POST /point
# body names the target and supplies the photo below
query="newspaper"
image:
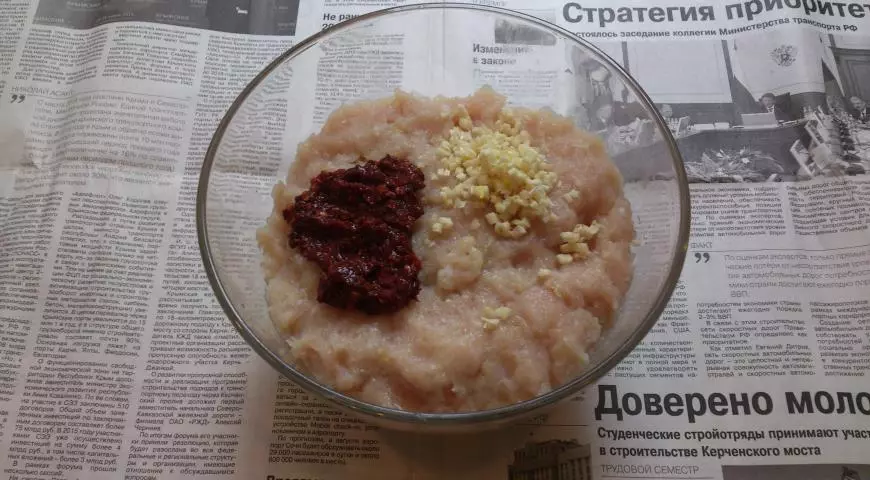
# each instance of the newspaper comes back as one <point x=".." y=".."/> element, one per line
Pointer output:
<point x="117" y="362"/>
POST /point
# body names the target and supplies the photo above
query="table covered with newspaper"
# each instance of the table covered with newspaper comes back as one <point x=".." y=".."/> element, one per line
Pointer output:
<point x="117" y="362"/>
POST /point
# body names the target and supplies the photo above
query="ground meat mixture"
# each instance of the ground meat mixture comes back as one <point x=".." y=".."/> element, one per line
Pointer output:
<point x="508" y="306"/>
<point x="355" y="224"/>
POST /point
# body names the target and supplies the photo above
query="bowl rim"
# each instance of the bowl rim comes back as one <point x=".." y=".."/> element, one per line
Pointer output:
<point x="505" y="413"/>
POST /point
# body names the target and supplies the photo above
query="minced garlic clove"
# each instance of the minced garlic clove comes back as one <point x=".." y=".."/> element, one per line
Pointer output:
<point x="492" y="317"/>
<point x="503" y="229"/>
<point x="569" y="237"/>
<point x="441" y="225"/>
<point x="575" y="242"/>
<point x="490" y="324"/>
<point x="581" y="252"/>
<point x="502" y="312"/>
<point x="564" y="259"/>
<point x="518" y="231"/>
<point x="571" y="196"/>
<point x="465" y="123"/>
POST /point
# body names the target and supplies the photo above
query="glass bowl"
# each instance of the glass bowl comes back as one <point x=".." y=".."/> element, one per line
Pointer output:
<point x="450" y="50"/>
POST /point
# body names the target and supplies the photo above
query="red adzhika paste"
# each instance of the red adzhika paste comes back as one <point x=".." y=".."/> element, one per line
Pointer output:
<point x="355" y="224"/>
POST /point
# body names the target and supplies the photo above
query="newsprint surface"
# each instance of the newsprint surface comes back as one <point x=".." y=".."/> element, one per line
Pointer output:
<point x="116" y="361"/>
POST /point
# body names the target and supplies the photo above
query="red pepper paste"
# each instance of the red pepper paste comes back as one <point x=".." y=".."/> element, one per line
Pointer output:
<point x="355" y="224"/>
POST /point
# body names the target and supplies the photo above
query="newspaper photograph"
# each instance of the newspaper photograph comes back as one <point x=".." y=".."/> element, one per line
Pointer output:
<point x="116" y="361"/>
<point x="258" y="17"/>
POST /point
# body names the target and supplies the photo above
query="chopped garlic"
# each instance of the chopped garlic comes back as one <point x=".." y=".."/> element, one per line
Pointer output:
<point x="564" y="259"/>
<point x="498" y="167"/>
<point x="581" y="251"/>
<point x="442" y="225"/>
<point x="465" y="123"/>
<point x="492" y="317"/>
<point x="572" y="195"/>
<point x="490" y="324"/>
<point x="575" y="242"/>
<point x="502" y="312"/>
<point x="569" y="237"/>
<point x="544" y="273"/>
<point x="588" y="231"/>
<point x="521" y="222"/>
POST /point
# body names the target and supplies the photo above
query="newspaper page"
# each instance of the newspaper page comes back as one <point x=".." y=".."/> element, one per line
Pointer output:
<point x="117" y="362"/>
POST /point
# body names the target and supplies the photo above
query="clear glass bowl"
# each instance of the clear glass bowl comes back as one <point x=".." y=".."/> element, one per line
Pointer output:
<point x="547" y="67"/>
